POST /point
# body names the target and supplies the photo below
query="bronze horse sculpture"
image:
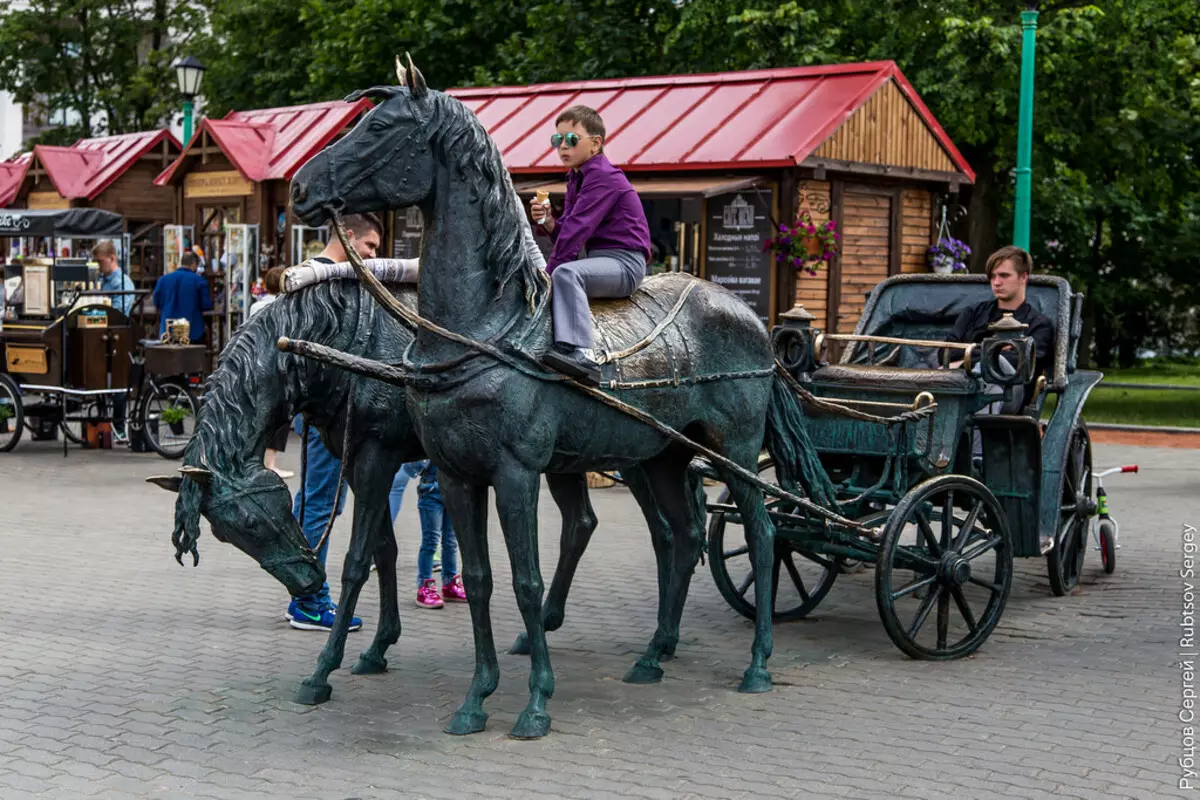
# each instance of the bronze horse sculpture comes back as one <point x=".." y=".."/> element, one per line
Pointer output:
<point x="255" y="389"/>
<point x="699" y="361"/>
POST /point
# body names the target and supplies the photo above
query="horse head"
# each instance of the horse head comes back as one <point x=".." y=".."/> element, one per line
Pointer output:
<point x="250" y="509"/>
<point x="385" y="161"/>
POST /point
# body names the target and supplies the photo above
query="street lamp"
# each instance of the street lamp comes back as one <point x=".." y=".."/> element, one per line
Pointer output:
<point x="1024" y="200"/>
<point x="189" y="72"/>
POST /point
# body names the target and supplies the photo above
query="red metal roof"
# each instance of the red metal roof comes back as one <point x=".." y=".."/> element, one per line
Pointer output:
<point x="762" y="118"/>
<point x="88" y="167"/>
<point x="11" y="174"/>
<point x="272" y="143"/>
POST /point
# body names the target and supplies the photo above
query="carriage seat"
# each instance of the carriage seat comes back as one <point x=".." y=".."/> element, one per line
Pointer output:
<point x="926" y="306"/>
<point x="899" y="379"/>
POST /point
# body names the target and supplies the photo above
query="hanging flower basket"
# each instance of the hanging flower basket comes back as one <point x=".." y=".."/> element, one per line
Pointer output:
<point x="805" y="245"/>
<point x="948" y="256"/>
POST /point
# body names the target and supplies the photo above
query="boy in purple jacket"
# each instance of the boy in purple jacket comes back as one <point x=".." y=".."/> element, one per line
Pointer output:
<point x="601" y="240"/>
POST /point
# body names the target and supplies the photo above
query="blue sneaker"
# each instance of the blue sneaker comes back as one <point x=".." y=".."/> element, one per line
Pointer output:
<point x="304" y="619"/>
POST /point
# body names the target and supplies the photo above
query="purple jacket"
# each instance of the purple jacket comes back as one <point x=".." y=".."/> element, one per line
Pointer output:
<point x="602" y="212"/>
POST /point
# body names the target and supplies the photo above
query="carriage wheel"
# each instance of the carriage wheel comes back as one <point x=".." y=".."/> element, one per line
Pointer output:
<point x="801" y="579"/>
<point x="12" y="414"/>
<point x="1065" y="560"/>
<point x="167" y="416"/>
<point x="944" y="568"/>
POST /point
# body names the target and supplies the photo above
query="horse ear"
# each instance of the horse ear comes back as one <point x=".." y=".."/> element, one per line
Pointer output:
<point x="401" y="73"/>
<point x="416" y="81"/>
<point x="169" y="482"/>
<point x="200" y="475"/>
<point x="382" y="92"/>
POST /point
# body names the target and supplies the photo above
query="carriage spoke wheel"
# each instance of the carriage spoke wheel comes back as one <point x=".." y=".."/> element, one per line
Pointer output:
<point x="944" y="568"/>
<point x="12" y="414"/>
<point x="1064" y="562"/>
<point x="801" y="579"/>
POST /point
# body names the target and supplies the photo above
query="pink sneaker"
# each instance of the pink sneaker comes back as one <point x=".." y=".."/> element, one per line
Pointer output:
<point x="427" y="595"/>
<point x="454" y="591"/>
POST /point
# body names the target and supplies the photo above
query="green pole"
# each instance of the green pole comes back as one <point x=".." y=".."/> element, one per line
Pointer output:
<point x="1025" y="132"/>
<point x="187" y="120"/>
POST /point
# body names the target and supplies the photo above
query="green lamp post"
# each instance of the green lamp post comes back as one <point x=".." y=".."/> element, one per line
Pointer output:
<point x="189" y="73"/>
<point x="1024" y="200"/>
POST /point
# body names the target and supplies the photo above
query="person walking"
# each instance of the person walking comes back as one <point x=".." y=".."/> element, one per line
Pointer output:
<point x="436" y="529"/>
<point x="316" y="612"/>
<point x="273" y="282"/>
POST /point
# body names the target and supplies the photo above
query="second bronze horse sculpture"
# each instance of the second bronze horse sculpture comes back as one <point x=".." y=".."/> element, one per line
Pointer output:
<point x="700" y="362"/>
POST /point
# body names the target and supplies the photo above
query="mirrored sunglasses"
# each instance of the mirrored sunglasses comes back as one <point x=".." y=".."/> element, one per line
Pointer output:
<point x="557" y="139"/>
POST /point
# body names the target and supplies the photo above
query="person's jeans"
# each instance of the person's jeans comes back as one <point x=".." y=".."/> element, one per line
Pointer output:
<point x="119" y="406"/>
<point x="435" y="526"/>
<point x="320" y="486"/>
<point x="396" y="495"/>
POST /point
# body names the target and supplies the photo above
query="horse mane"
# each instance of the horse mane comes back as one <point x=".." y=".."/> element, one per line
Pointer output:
<point x="315" y="313"/>
<point x="460" y="141"/>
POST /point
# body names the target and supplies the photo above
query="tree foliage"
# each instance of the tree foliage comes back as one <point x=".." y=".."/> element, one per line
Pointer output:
<point x="1117" y="108"/>
<point x="103" y="66"/>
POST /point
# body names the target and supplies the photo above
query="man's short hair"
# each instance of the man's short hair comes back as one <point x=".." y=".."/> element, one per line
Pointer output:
<point x="584" y="116"/>
<point x="190" y="260"/>
<point x="273" y="280"/>
<point x="360" y="225"/>
<point x="104" y="249"/>
<point x="1022" y="261"/>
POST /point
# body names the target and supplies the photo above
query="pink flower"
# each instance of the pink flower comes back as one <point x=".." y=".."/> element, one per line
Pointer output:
<point x="783" y="229"/>
<point x="811" y="228"/>
<point x="796" y="262"/>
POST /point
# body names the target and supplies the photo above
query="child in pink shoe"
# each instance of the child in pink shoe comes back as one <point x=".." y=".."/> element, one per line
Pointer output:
<point x="435" y="527"/>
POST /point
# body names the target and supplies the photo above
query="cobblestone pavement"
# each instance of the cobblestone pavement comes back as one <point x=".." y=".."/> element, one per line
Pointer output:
<point x="124" y="675"/>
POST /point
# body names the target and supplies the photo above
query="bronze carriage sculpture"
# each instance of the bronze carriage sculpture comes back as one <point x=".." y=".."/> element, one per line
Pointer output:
<point x="943" y="509"/>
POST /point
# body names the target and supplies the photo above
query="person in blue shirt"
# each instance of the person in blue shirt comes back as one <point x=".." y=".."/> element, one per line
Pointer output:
<point x="183" y="293"/>
<point x="113" y="279"/>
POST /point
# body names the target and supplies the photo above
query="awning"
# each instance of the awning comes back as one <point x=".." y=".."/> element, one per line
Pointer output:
<point x="649" y="188"/>
<point x="82" y="223"/>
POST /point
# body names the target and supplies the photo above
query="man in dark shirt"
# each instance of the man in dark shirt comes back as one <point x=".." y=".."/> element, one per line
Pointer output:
<point x="183" y="294"/>
<point x="1008" y="270"/>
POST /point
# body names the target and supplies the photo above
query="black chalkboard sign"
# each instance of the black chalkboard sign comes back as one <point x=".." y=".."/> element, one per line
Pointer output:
<point x="407" y="228"/>
<point x="738" y="224"/>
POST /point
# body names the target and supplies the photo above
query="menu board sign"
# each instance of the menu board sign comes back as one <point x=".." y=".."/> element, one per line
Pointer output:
<point x="407" y="228"/>
<point x="739" y="224"/>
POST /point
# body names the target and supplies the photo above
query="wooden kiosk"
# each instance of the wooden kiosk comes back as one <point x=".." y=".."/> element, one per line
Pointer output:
<point x="229" y="190"/>
<point x="720" y="160"/>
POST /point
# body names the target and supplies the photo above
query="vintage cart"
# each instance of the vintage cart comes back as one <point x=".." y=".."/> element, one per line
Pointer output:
<point x="963" y="477"/>
<point x="67" y="355"/>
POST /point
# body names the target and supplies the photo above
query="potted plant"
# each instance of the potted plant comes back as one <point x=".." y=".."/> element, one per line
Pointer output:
<point x="805" y="245"/>
<point x="948" y="256"/>
<point x="174" y="417"/>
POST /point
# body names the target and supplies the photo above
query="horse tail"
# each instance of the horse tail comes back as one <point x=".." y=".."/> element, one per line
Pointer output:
<point x="788" y="442"/>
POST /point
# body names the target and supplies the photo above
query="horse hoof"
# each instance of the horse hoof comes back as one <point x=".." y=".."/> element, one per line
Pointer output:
<point x="466" y="722"/>
<point x="755" y="681"/>
<point x="313" y="694"/>
<point x="531" y="725"/>
<point x="520" y="647"/>
<point x="641" y="673"/>
<point x="369" y="665"/>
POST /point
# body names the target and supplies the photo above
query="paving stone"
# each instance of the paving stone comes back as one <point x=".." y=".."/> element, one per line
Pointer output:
<point x="184" y="687"/>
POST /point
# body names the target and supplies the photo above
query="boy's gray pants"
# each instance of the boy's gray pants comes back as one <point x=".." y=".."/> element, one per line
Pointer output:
<point x="604" y="273"/>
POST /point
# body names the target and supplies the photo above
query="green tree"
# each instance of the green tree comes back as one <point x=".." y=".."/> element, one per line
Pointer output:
<point x="103" y="65"/>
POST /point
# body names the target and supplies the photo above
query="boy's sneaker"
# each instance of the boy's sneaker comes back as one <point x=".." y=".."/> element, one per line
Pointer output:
<point x="454" y="592"/>
<point x="305" y="620"/>
<point x="427" y="595"/>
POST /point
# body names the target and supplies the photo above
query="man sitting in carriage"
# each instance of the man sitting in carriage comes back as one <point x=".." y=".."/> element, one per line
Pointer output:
<point x="601" y="240"/>
<point x="1008" y="270"/>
